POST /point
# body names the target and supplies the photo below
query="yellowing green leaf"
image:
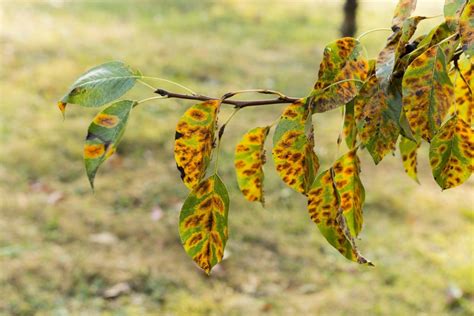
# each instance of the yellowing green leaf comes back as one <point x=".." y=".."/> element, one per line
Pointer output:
<point x="100" y="85"/>
<point x="249" y="161"/>
<point x="350" y="129"/>
<point x="452" y="153"/>
<point x="194" y="141"/>
<point x="408" y="151"/>
<point x="403" y="10"/>
<point x="203" y="222"/>
<point x="342" y="61"/>
<point x="427" y="92"/>
<point x="295" y="160"/>
<point x="104" y="135"/>
<point x="452" y="11"/>
<point x="324" y="207"/>
<point x="463" y="90"/>
<point x="466" y="28"/>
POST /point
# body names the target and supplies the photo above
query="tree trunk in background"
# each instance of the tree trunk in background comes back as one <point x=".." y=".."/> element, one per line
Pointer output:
<point x="349" y="26"/>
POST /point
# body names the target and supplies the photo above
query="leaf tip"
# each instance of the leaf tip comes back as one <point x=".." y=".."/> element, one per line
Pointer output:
<point x="62" y="108"/>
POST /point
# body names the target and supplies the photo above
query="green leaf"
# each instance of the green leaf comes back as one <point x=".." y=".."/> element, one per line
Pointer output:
<point x="463" y="80"/>
<point x="203" y="222"/>
<point x="452" y="11"/>
<point x="249" y="161"/>
<point x="427" y="92"/>
<point x="341" y="73"/>
<point x="104" y="135"/>
<point x="293" y="143"/>
<point x="324" y="207"/>
<point x="194" y="140"/>
<point x="350" y="129"/>
<point x="466" y="29"/>
<point x="408" y="151"/>
<point x="452" y="153"/>
<point x="377" y="113"/>
<point x="403" y="10"/>
<point x="100" y="85"/>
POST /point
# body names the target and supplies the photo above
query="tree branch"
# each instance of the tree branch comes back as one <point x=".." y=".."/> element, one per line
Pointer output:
<point x="237" y="104"/>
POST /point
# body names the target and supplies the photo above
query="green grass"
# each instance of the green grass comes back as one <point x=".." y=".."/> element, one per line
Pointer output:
<point x="51" y="263"/>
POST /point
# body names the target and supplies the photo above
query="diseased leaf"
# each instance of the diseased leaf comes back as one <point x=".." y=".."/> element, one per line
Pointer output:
<point x="342" y="61"/>
<point x="350" y="129"/>
<point x="463" y="90"/>
<point x="377" y="112"/>
<point x="104" y="135"/>
<point x="203" y="222"/>
<point x="408" y="151"/>
<point x="100" y="85"/>
<point x="350" y="190"/>
<point x="466" y="28"/>
<point x="396" y="46"/>
<point x="249" y="161"/>
<point x="403" y="10"/>
<point x="427" y="92"/>
<point x="325" y="211"/>
<point x="293" y="144"/>
<point x="452" y="153"/>
<point x="194" y="141"/>
<point x="452" y="11"/>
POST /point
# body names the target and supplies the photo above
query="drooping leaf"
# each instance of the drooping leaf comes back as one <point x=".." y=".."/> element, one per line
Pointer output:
<point x="377" y="112"/>
<point x="452" y="153"/>
<point x="104" y="135"/>
<point x="350" y="129"/>
<point x="194" y="141"/>
<point x="452" y="12"/>
<point x="408" y="151"/>
<point x="403" y="10"/>
<point x="466" y="28"/>
<point x="350" y="190"/>
<point x="203" y="222"/>
<point x="325" y="211"/>
<point x="293" y="143"/>
<point x="395" y="48"/>
<point x="463" y="90"/>
<point x="249" y="161"/>
<point x="427" y="92"/>
<point x="100" y="85"/>
<point x="342" y="61"/>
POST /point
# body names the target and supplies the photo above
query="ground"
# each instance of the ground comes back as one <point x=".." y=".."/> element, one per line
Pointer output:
<point x="67" y="251"/>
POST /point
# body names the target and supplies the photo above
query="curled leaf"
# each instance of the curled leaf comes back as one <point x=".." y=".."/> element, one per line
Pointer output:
<point x="249" y="161"/>
<point x="466" y="28"/>
<point x="408" y="151"/>
<point x="463" y="81"/>
<point x="427" y="92"/>
<point x="203" y="222"/>
<point x="341" y="73"/>
<point x="452" y="153"/>
<point x="293" y="143"/>
<point x="100" y="85"/>
<point x="350" y="129"/>
<point x="403" y="10"/>
<point x="194" y="140"/>
<point x="104" y="135"/>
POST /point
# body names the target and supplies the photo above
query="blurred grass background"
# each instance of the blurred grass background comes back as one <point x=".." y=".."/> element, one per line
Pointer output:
<point x="66" y="251"/>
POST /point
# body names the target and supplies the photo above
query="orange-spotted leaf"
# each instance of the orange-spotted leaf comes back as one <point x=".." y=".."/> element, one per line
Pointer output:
<point x="408" y="151"/>
<point x="104" y="135"/>
<point x="194" y="140"/>
<point x="249" y="161"/>
<point x="427" y="92"/>
<point x="324" y="207"/>
<point x="403" y="10"/>
<point x="203" y="222"/>
<point x="463" y="80"/>
<point x="350" y="129"/>
<point x="466" y="28"/>
<point x="378" y="113"/>
<point x="452" y="12"/>
<point x="293" y="143"/>
<point x="340" y="74"/>
<point x="349" y="187"/>
<point x="452" y="153"/>
<point x="100" y="85"/>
